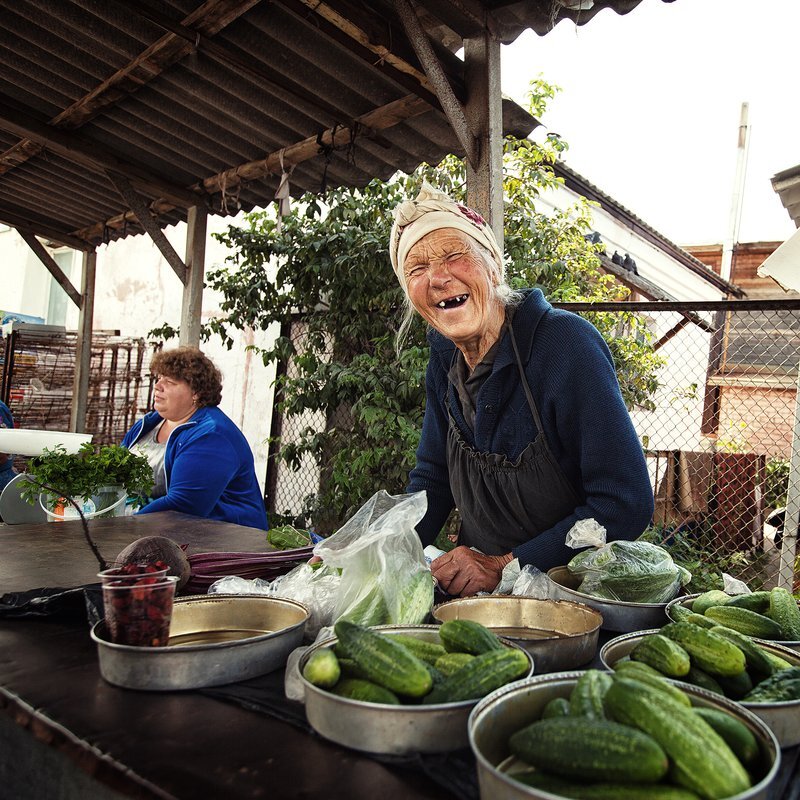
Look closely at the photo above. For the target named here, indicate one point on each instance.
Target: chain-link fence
(718, 440)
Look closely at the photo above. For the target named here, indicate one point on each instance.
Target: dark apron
(503, 503)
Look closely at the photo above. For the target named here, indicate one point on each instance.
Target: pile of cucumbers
(632, 735)
(466, 663)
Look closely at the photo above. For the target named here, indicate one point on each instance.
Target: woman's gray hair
(495, 275)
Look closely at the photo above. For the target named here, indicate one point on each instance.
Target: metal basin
(559, 634)
(379, 728)
(617, 615)
(687, 601)
(512, 707)
(214, 640)
(782, 718)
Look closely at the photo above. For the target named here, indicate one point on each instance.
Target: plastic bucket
(108, 501)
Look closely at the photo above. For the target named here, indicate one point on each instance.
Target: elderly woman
(202, 464)
(525, 430)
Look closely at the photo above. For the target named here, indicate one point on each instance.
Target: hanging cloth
(282, 193)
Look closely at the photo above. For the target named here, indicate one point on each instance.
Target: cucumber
(365, 691)
(699, 619)
(678, 612)
(466, 636)
(557, 707)
(697, 677)
(371, 609)
(663, 654)
(709, 651)
(590, 749)
(586, 697)
(782, 687)
(703, 762)
(738, 736)
(777, 662)
(755, 601)
(714, 597)
(736, 686)
(452, 662)
(783, 610)
(421, 648)
(385, 661)
(322, 668)
(755, 659)
(641, 672)
(350, 669)
(482, 675)
(747, 622)
(414, 602)
(601, 791)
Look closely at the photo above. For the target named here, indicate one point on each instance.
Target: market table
(66, 733)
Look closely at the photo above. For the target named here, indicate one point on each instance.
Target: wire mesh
(718, 440)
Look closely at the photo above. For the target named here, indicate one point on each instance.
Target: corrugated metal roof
(193, 101)
(787, 186)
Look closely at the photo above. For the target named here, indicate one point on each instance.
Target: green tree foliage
(328, 263)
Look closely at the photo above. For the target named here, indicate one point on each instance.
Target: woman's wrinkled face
(450, 286)
(173, 398)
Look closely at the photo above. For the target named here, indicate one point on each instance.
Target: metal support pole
(192, 306)
(83, 346)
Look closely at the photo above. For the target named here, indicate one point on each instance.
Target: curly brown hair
(190, 365)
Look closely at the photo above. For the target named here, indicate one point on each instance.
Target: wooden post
(484, 112)
(83, 347)
(192, 307)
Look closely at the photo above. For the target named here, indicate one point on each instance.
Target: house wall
(136, 291)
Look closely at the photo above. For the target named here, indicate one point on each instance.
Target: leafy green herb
(81, 474)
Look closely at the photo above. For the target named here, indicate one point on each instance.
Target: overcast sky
(651, 105)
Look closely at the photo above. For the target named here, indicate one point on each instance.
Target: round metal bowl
(559, 634)
(687, 601)
(512, 707)
(782, 718)
(213, 640)
(617, 615)
(379, 728)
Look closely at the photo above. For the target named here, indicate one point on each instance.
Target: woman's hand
(463, 571)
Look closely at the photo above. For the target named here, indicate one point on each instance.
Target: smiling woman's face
(449, 284)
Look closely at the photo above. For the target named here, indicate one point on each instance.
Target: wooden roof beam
(77, 149)
(377, 120)
(16, 218)
(451, 105)
(208, 19)
(139, 207)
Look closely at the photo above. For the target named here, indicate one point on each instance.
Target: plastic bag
(385, 577)
(527, 581)
(734, 586)
(634, 572)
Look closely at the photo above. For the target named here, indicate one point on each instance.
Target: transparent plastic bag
(385, 577)
(527, 581)
(633, 572)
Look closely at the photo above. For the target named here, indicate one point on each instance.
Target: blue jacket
(571, 375)
(209, 469)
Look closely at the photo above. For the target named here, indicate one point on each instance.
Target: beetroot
(150, 549)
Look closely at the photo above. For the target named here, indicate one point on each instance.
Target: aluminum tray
(617, 616)
(214, 640)
(378, 728)
(688, 599)
(512, 707)
(782, 718)
(559, 634)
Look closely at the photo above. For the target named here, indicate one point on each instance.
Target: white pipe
(738, 193)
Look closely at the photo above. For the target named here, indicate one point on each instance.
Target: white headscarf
(432, 210)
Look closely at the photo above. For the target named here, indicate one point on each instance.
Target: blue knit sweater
(571, 375)
(209, 469)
